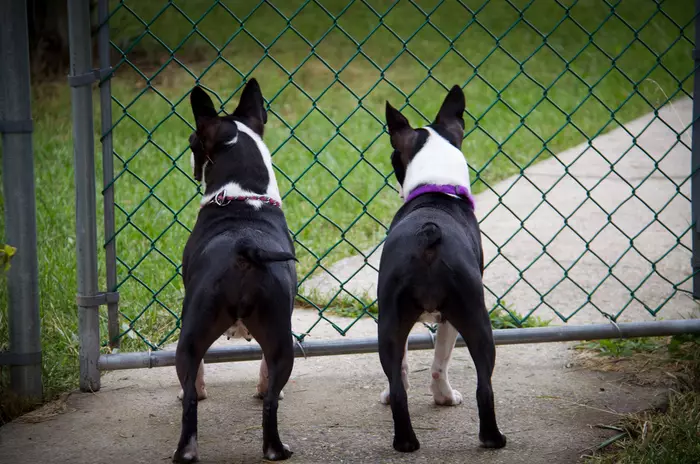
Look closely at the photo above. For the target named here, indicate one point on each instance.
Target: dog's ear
(251, 107)
(208, 122)
(401, 133)
(202, 106)
(451, 116)
(206, 117)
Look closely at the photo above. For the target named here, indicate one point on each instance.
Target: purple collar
(457, 190)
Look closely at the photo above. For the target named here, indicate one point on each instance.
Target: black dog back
(421, 242)
(221, 255)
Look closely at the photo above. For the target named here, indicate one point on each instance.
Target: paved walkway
(331, 412)
(547, 406)
(647, 174)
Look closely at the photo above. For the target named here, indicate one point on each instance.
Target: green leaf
(6, 254)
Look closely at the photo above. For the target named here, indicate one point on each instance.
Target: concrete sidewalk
(547, 406)
(551, 190)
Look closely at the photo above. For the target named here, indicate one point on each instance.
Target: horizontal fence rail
(577, 136)
(252, 352)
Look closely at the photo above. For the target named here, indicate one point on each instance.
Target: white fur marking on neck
(204, 175)
(204, 171)
(438, 162)
(233, 189)
(233, 140)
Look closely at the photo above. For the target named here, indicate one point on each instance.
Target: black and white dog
(431, 268)
(238, 264)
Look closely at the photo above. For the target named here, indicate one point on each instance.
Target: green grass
(670, 435)
(622, 346)
(502, 317)
(327, 140)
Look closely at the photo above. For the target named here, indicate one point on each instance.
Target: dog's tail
(242, 283)
(430, 237)
(248, 252)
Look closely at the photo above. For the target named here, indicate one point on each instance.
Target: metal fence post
(695, 160)
(108, 172)
(81, 78)
(20, 208)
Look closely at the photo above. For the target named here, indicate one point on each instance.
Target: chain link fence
(578, 117)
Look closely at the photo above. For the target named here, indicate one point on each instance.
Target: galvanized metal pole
(695, 160)
(20, 209)
(252, 351)
(81, 78)
(108, 172)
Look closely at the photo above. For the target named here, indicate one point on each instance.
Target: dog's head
(229, 148)
(407, 141)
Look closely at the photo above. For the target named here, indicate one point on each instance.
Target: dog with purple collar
(431, 269)
(238, 265)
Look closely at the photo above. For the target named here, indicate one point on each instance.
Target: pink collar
(222, 200)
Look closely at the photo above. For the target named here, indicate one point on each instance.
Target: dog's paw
(272, 454)
(497, 441)
(188, 453)
(407, 445)
(261, 395)
(453, 399)
(201, 394)
(384, 396)
(444, 394)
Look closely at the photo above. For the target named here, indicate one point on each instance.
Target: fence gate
(578, 136)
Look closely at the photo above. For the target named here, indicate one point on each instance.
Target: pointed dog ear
(251, 107)
(202, 106)
(402, 135)
(206, 118)
(207, 123)
(451, 116)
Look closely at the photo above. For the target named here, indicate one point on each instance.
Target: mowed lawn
(539, 76)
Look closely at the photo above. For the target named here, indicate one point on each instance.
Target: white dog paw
(189, 453)
(444, 394)
(278, 455)
(453, 399)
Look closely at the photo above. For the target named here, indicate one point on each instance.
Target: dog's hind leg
(279, 366)
(278, 351)
(187, 363)
(443, 394)
(384, 395)
(394, 327)
(196, 337)
(475, 327)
